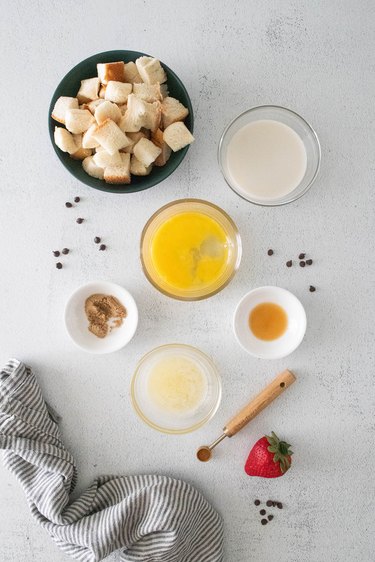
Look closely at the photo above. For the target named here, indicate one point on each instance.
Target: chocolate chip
(312, 289)
(301, 256)
(269, 503)
(270, 252)
(56, 253)
(269, 517)
(97, 240)
(309, 262)
(279, 505)
(302, 263)
(282, 384)
(59, 265)
(65, 251)
(262, 512)
(102, 247)
(80, 221)
(77, 199)
(257, 502)
(67, 204)
(289, 263)
(264, 521)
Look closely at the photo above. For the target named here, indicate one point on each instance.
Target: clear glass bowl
(233, 245)
(168, 422)
(293, 120)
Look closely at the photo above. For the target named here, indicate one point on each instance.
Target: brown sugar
(104, 312)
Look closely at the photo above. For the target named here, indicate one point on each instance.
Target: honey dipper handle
(261, 401)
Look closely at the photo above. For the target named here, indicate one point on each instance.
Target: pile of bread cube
(122, 122)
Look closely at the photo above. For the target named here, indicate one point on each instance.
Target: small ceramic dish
(170, 421)
(69, 86)
(299, 125)
(76, 321)
(291, 338)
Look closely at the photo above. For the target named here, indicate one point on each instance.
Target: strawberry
(269, 458)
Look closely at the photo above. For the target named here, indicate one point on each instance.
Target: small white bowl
(76, 321)
(280, 347)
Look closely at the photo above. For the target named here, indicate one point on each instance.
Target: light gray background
(314, 57)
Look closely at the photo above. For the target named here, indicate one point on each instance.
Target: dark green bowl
(69, 86)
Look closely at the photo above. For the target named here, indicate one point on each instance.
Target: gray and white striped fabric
(145, 518)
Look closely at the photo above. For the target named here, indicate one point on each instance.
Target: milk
(266, 160)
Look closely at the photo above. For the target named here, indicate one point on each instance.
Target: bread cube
(63, 103)
(102, 159)
(120, 173)
(150, 70)
(88, 140)
(81, 153)
(117, 91)
(64, 140)
(92, 105)
(110, 136)
(107, 110)
(111, 71)
(146, 151)
(152, 118)
(133, 119)
(92, 169)
(134, 137)
(158, 139)
(131, 73)
(89, 90)
(148, 92)
(78, 120)
(177, 136)
(172, 110)
(102, 92)
(137, 168)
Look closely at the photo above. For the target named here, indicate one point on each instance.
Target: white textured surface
(314, 57)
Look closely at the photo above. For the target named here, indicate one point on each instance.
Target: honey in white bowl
(268, 321)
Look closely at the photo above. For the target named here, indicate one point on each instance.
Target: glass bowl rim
(313, 134)
(237, 238)
(197, 425)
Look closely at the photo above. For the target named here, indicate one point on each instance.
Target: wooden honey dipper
(250, 411)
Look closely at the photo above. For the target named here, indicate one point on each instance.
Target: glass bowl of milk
(269, 155)
(176, 388)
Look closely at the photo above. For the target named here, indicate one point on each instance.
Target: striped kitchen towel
(145, 518)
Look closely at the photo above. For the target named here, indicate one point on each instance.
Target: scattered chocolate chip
(264, 521)
(68, 204)
(97, 240)
(56, 253)
(301, 256)
(282, 384)
(65, 251)
(102, 247)
(59, 265)
(80, 221)
(309, 262)
(257, 502)
(279, 505)
(302, 263)
(289, 263)
(312, 289)
(77, 199)
(262, 512)
(269, 517)
(269, 503)
(270, 252)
